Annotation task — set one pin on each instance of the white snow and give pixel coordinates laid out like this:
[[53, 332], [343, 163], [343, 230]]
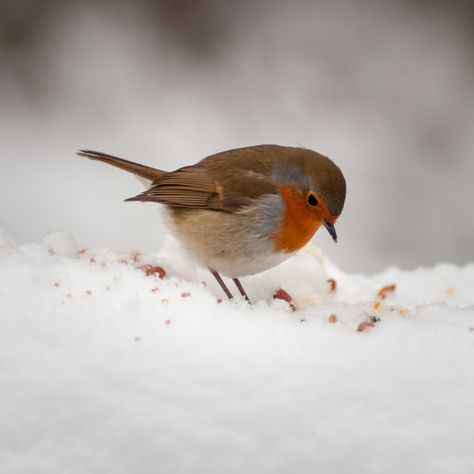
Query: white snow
[[104, 369]]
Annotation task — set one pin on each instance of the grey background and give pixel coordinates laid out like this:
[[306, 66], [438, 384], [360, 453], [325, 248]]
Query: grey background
[[385, 88]]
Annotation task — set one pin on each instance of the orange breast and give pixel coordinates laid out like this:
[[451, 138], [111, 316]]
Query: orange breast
[[299, 222]]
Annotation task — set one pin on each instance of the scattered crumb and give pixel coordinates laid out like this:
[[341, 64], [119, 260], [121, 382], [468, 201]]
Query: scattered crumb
[[92, 260], [383, 292], [302, 320], [122, 260], [88, 292], [471, 329], [168, 321], [165, 300], [137, 338], [219, 300], [51, 252], [332, 318], [364, 326], [281, 294], [68, 295], [82, 252], [332, 284], [135, 255], [152, 270], [155, 289], [376, 306], [56, 284], [203, 283], [185, 294], [449, 291]]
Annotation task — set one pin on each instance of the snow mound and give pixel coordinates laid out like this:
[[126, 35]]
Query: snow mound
[[106, 367]]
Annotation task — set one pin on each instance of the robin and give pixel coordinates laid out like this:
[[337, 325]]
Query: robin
[[246, 210]]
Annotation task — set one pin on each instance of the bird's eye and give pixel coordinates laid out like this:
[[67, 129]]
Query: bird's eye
[[312, 201]]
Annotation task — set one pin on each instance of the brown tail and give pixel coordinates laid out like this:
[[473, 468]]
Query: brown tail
[[139, 170]]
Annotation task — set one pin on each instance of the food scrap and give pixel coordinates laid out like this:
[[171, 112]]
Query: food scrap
[[332, 284], [151, 270], [282, 294], [384, 292], [332, 318], [364, 326]]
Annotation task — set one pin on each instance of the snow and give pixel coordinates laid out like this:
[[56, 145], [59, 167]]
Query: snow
[[104, 369]]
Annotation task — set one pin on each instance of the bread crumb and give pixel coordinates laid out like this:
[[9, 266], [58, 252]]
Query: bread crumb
[[364, 326], [332, 284], [383, 292], [152, 270]]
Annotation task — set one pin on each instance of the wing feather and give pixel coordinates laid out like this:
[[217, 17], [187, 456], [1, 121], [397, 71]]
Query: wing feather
[[226, 187], [190, 186]]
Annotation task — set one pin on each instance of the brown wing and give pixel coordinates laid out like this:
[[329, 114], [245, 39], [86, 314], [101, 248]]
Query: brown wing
[[199, 186], [190, 186]]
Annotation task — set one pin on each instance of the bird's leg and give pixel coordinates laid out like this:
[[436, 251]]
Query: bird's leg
[[223, 285], [241, 289]]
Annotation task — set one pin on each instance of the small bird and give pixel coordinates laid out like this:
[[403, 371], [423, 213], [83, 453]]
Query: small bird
[[243, 211]]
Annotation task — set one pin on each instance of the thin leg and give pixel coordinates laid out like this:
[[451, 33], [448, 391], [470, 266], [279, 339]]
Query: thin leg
[[241, 289], [223, 286]]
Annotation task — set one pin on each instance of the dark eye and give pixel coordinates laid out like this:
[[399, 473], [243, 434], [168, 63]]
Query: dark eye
[[312, 201]]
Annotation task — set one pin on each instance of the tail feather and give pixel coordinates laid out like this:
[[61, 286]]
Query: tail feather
[[140, 171]]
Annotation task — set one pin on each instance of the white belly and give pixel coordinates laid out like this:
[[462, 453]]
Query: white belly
[[234, 244]]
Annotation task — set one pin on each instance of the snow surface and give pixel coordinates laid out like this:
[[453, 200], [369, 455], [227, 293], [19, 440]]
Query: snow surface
[[104, 369]]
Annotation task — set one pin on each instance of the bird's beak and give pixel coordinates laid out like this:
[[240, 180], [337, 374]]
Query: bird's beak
[[331, 229]]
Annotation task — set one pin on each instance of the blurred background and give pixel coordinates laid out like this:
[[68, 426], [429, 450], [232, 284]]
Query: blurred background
[[385, 88]]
